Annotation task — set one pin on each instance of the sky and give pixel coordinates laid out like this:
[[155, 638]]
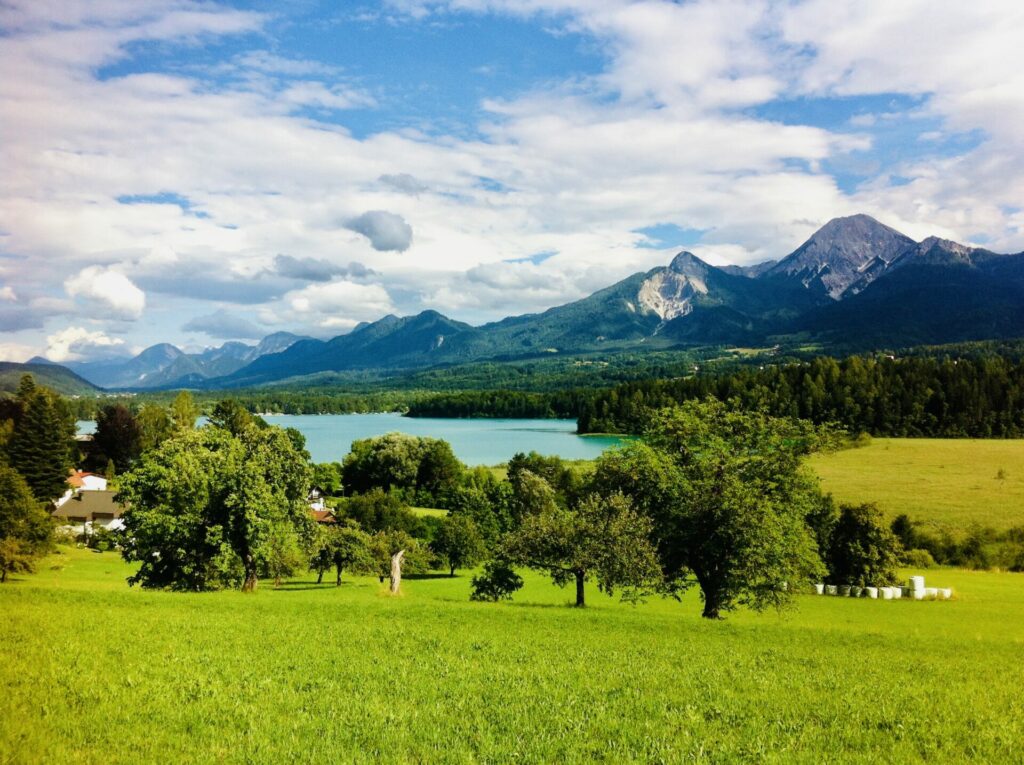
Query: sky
[[197, 172]]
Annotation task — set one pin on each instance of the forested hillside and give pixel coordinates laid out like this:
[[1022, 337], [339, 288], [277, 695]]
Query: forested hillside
[[980, 398]]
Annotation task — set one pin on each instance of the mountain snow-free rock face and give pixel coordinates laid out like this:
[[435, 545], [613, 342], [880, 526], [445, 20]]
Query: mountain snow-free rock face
[[670, 292], [844, 253]]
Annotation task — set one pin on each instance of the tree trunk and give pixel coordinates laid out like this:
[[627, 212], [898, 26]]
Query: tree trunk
[[396, 571], [251, 580], [713, 600], [337, 581], [3, 576], [320, 576], [580, 601], [453, 571], [277, 582]]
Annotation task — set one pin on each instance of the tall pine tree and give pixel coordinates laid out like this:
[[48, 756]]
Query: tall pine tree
[[41, 444]]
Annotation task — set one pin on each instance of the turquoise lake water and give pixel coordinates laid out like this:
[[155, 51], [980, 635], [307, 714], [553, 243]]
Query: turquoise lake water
[[475, 441]]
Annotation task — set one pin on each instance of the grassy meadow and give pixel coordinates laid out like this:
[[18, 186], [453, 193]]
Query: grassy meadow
[[948, 483], [96, 672]]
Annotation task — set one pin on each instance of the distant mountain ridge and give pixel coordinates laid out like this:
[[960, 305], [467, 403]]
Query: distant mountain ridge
[[165, 365], [855, 283]]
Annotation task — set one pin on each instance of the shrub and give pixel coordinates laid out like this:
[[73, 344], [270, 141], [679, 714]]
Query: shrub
[[497, 582], [917, 559]]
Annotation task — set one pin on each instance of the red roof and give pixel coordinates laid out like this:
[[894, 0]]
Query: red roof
[[75, 479], [323, 516]]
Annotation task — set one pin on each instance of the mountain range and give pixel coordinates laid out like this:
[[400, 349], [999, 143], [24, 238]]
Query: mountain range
[[855, 284]]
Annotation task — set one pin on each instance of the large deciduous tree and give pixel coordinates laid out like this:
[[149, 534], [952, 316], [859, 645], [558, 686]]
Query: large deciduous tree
[[155, 426], [425, 469], [41, 442], [459, 542], [602, 537], [341, 546], [202, 508], [728, 499]]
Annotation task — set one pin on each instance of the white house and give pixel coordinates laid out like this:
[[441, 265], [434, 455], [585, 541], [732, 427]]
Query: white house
[[81, 481]]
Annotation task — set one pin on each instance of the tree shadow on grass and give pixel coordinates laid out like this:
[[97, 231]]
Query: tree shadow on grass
[[300, 585], [433, 575]]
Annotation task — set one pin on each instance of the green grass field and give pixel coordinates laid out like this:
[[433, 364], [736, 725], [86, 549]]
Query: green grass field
[[948, 483], [95, 672]]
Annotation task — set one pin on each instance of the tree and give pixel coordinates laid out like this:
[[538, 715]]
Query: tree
[[459, 542], [862, 550], [497, 582], [231, 416], [281, 554], [118, 436], [601, 538], [425, 469], [155, 426], [729, 499], [26, 530], [40, 444], [184, 411], [377, 511], [341, 546], [202, 507]]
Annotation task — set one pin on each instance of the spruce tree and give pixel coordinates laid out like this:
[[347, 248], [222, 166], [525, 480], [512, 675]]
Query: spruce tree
[[40, 445]]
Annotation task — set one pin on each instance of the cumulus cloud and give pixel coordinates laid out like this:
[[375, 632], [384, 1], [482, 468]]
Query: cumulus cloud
[[386, 231], [316, 269], [338, 305], [80, 344], [225, 326], [109, 288]]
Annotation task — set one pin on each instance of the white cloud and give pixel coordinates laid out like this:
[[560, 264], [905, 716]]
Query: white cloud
[[79, 344], [665, 133], [16, 352], [7, 293], [110, 288], [337, 305]]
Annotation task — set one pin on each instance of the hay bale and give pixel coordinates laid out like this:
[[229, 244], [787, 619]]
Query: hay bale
[[819, 589], [916, 583], [831, 589], [946, 592], [887, 593], [871, 592]]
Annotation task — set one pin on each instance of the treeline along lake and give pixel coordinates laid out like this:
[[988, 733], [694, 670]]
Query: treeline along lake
[[475, 441]]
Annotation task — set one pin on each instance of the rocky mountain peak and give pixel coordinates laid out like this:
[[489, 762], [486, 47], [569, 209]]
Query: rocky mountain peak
[[838, 254]]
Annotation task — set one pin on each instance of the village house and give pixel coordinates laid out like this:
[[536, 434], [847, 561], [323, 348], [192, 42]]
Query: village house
[[95, 507]]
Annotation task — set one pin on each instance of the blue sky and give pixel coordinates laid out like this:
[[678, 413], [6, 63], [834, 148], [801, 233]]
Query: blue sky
[[195, 172]]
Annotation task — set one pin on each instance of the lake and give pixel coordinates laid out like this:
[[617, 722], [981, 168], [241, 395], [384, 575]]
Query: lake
[[475, 441]]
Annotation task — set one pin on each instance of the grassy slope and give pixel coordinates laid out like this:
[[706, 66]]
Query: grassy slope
[[96, 672], [950, 484]]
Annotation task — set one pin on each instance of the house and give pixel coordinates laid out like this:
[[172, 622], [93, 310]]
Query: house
[[93, 507], [324, 516], [81, 481], [315, 498], [87, 481]]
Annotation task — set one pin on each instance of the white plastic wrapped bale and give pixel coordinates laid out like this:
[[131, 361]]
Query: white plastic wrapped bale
[[897, 593], [931, 592], [916, 583], [855, 591], [917, 594], [831, 589], [871, 592], [946, 592], [819, 589], [887, 593]]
